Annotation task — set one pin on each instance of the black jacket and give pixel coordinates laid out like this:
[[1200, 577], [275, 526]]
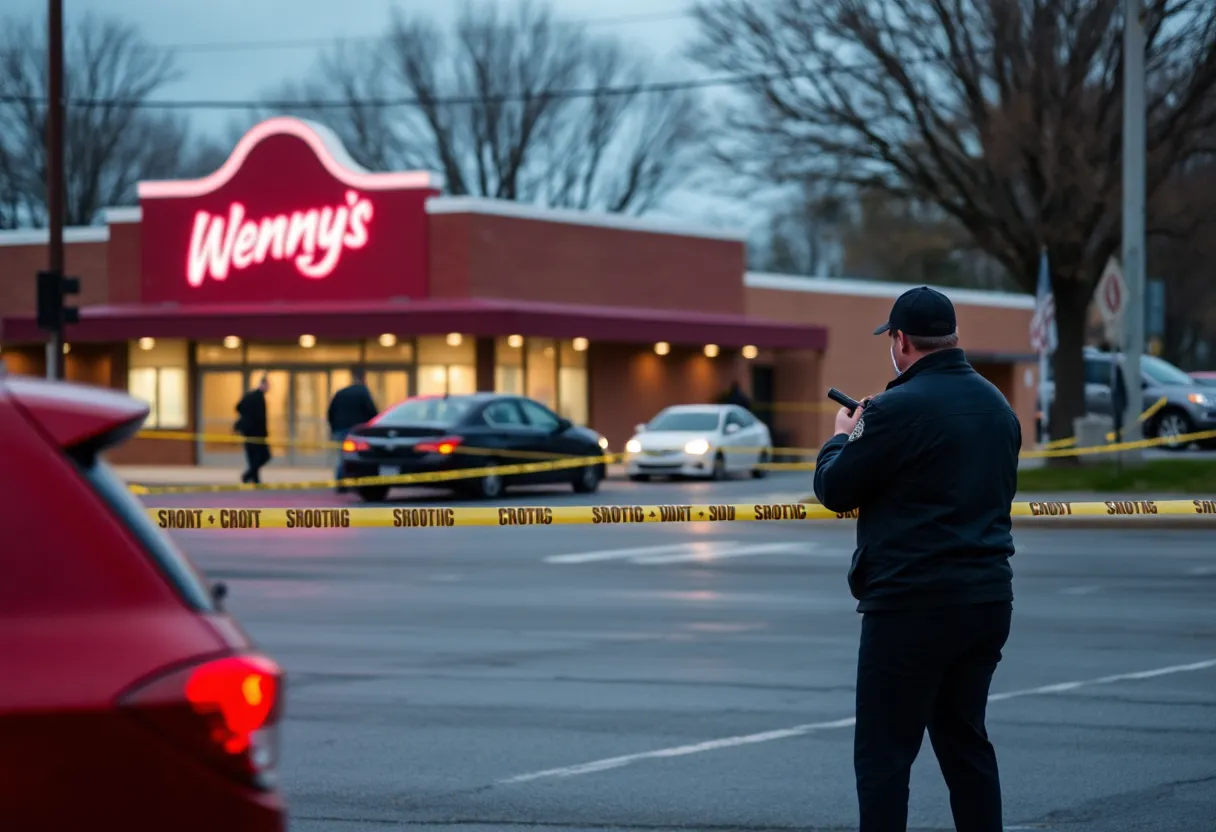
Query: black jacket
[[350, 406], [251, 412], [932, 469]]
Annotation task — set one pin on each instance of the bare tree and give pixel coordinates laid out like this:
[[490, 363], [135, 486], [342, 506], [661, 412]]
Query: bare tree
[[512, 105], [1005, 114], [109, 144], [1187, 267]]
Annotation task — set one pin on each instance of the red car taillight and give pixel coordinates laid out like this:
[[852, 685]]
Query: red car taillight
[[443, 445], [226, 711], [351, 445]]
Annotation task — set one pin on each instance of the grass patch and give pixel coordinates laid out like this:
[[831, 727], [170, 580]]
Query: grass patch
[[1166, 476]]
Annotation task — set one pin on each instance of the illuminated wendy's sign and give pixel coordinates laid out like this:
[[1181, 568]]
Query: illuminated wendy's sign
[[289, 216]]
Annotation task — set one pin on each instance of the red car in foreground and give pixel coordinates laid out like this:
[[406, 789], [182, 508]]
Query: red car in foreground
[[128, 698]]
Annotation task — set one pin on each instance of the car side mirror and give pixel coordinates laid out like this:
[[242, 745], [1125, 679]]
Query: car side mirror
[[219, 591], [732, 428], [563, 425], [640, 427]]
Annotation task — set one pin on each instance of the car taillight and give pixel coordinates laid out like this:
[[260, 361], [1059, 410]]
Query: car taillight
[[350, 446], [226, 711], [444, 445]]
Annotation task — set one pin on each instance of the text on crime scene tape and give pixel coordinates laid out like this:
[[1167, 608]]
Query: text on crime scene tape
[[309, 518]]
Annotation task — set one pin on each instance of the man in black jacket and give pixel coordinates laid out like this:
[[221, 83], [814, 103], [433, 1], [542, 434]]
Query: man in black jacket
[[931, 465], [252, 424], [351, 406]]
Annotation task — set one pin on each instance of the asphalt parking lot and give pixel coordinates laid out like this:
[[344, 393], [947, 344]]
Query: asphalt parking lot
[[700, 676]]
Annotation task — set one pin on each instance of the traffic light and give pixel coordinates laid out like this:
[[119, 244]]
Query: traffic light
[[53, 289]]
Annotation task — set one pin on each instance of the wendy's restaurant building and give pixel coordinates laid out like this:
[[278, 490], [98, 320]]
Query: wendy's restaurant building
[[292, 262]]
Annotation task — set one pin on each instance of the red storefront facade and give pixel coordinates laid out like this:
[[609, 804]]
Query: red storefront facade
[[292, 261]]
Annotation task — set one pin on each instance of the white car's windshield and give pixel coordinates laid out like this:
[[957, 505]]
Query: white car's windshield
[[685, 421]]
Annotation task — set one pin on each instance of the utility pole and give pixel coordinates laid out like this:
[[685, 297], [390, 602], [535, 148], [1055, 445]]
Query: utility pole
[[54, 169], [1134, 126]]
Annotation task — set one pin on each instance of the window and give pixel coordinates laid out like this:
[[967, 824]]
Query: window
[[1097, 372], [134, 515], [690, 420], [1163, 372], [572, 387], [542, 371], [291, 352], [157, 374], [503, 414], [229, 351], [447, 365], [508, 368], [388, 349], [539, 417], [426, 411]]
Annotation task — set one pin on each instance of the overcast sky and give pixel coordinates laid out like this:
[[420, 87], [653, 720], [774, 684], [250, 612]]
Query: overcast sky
[[206, 36]]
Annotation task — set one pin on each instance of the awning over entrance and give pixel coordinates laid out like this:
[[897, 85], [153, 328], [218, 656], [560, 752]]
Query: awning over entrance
[[478, 317]]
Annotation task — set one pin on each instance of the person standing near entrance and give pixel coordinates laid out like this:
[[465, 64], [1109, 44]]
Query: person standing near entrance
[[931, 467], [251, 423], [351, 406]]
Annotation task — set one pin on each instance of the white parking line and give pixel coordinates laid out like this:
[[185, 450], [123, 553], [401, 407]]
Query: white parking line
[[633, 551], [702, 551], [812, 727], [722, 553]]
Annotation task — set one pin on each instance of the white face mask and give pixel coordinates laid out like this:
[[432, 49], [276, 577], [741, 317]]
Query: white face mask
[[898, 372]]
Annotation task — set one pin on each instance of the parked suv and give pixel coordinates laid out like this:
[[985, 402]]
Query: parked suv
[[130, 700], [1190, 406]]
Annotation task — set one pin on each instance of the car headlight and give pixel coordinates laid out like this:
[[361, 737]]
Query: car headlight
[[1197, 398], [633, 446], [696, 447]]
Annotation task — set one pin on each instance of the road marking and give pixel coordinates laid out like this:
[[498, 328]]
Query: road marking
[[813, 727], [722, 553], [623, 554], [704, 551]]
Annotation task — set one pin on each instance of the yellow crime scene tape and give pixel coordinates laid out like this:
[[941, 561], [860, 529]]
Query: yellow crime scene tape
[[312, 518], [553, 462], [1070, 441]]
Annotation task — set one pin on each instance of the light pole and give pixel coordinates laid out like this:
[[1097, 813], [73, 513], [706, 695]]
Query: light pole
[[54, 168], [1134, 118]]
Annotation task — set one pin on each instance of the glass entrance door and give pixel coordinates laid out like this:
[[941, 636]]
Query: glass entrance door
[[278, 410], [313, 391], [219, 392], [388, 387], [297, 408]]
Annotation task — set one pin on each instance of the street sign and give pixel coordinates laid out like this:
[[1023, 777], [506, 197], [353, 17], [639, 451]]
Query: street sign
[[1111, 295]]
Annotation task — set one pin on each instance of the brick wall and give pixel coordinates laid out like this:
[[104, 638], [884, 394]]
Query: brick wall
[[20, 264], [630, 384], [490, 256]]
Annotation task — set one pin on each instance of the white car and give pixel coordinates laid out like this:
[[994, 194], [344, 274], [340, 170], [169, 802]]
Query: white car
[[702, 440]]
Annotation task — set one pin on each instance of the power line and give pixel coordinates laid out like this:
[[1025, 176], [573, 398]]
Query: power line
[[319, 42], [647, 88], [380, 103]]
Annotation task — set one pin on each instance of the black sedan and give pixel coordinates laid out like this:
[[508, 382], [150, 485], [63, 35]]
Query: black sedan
[[447, 433]]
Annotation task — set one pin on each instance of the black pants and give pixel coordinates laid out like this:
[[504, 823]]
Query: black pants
[[919, 669], [257, 454]]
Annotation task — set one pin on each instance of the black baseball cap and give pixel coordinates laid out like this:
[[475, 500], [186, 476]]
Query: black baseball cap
[[923, 312]]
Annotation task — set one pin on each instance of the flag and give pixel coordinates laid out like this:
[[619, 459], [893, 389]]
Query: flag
[[1043, 323]]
